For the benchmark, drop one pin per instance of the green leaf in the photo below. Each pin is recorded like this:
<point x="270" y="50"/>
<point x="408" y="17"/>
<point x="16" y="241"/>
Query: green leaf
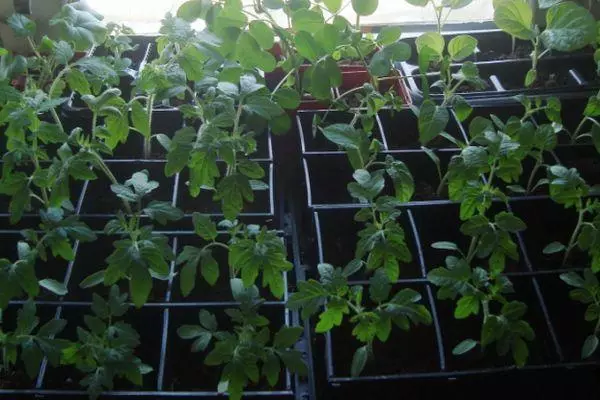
<point x="78" y="27"/>
<point x="204" y="226"/>
<point x="466" y="306"/>
<point x="21" y="25"/>
<point x="388" y="35"/>
<point x="359" y="361"/>
<point x="554" y="247"/>
<point x="384" y="59"/>
<point x="78" y="82"/>
<point x="140" y="285"/>
<point x="307" y="20"/>
<point x="404" y="184"/>
<point x="509" y="222"/>
<point x="333" y="5"/>
<point x="520" y="352"/>
<point x="287" y="337"/>
<point x="344" y="135"/>
<point x="432" y="121"/>
<point x="307" y="46"/>
<point x="589" y="346"/>
<point x="515" y="17"/>
<point x="461" y="47"/>
<point x="464" y="347"/>
<point x="263" y="106"/>
<point x="365" y="7"/>
<point x="573" y="279"/>
<point x="287" y="98"/>
<point x="309" y="297"/>
<point x="163" y="212"/>
<point x="251" y="55"/>
<point x="58" y="288"/>
<point x="139" y="117"/>
<point x="379" y="286"/>
<point x="431" y="40"/>
<point x="209" y="268"/>
<point x="262" y="33"/>
<point x="232" y="191"/>
<point x="194" y="9"/>
<point x="445" y="246"/>
<point x="569" y="27"/>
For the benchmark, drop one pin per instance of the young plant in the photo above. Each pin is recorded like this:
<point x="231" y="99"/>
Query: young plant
<point x="251" y="251"/>
<point x="480" y="289"/>
<point x="118" y="42"/>
<point x="371" y="320"/>
<point x="586" y="290"/>
<point x="568" y="188"/>
<point x="29" y="344"/>
<point x="439" y="7"/>
<point x="248" y="351"/>
<point x="57" y="235"/>
<point x="141" y="254"/>
<point x="105" y="347"/>
<point x="432" y="48"/>
<point x="382" y="241"/>
<point x="588" y="128"/>
<point x="226" y="112"/>
<point x="472" y="174"/>
<point x="569" y="27"/>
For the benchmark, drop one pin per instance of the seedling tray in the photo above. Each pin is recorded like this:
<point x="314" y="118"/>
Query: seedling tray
<point x="419" y="363"/>
<point x="505" y="79"/>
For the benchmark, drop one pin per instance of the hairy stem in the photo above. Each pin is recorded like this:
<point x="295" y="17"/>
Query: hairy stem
<point x="443" y="182"/>
<point x="573" y="240"/>
<point x="102" y="165"/>
<point x="148" y="139"/>
<point x="534" y="171"/>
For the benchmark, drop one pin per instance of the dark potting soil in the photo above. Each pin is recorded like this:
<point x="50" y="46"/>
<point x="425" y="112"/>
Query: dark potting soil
<point x="547" y="222"/>
<point x="204" y="292"/>
<point x="90" y="258"/>
<point x="541" y="350"/>
<point x="148" y="322"/>
<point x="441" y="223"/>
<point x="15" y="379"/>
<point x="186" y="371"/>
<point x="99" y="199"/>
<point x="407" y="352"/>
<point x="339" y="236"/>
<point x="559" y="383"/>
<point x="567" y="317"/>
<point x="584" y="158"/>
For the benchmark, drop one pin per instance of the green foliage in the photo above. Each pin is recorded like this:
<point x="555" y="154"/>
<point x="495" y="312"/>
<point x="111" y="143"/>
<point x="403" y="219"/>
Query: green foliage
<point x="251" y="251"/>
<point x="481" y="291"/>
<point x="249" y="351"/>
<point x="569" y="27"/>
<point x="141" y="254"/>
<point x="343" y="301"/>
<point x="30" y="342"/>
<point x="433" y="51"/>
<point x="105" y="347"/>
<point x="586" y="290"/>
